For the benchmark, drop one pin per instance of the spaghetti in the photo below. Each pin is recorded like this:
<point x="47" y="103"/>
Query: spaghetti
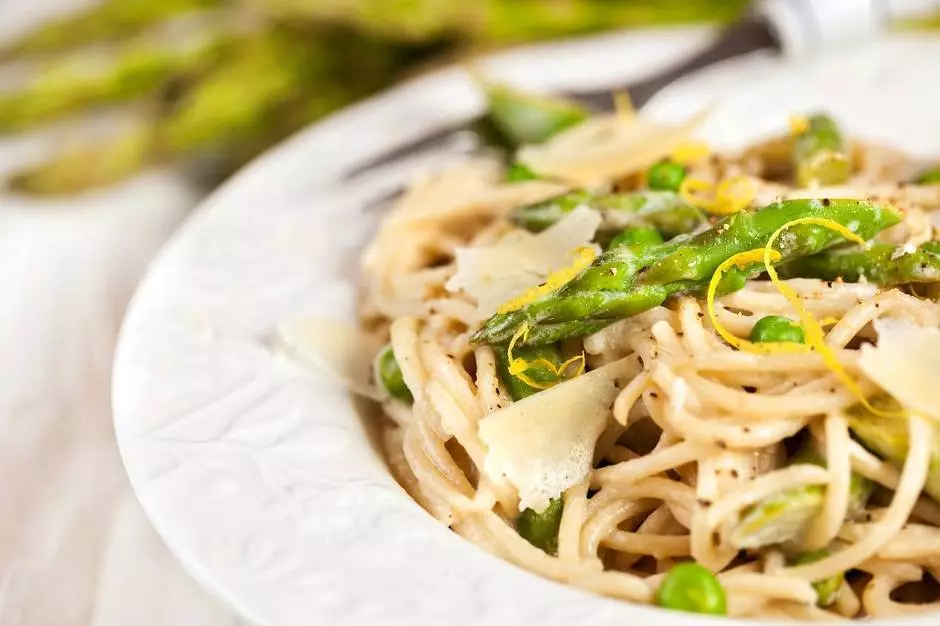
<point x="742" y="461"/>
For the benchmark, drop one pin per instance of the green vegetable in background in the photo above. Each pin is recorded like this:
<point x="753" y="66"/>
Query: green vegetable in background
<point x="75" y="84"/>
<point x="664" y="210"/>
<point x="636" y="236"/>
<point x="388" y="373"/>
<point x="108" y="21"/>
<point x="819" y="153"/>
<point x="518" y="173"/>
<point x="524" y="118"/>
<point x="827" y="590"/>
<point x="784" y="517"/>
<point x="217" y="113"/>
<point x="692" y="588"/>
<point x="929" y="176"/>
<point x="625" y="281"/>
<point x="884" y="264"/>
<point x="541" y="529"/>
<point x="665" y="176"/>
<point x="498" y="21"/>
<point x="775" y="329"/>
<point x="888" y="438"/>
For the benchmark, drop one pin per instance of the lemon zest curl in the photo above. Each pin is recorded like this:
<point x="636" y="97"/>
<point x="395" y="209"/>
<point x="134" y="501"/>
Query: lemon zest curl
<point x="518" y="366"/>
<point x="732" y="195"/>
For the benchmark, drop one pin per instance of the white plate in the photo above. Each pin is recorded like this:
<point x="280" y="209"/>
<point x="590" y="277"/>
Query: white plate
<point x="266" y="484"/>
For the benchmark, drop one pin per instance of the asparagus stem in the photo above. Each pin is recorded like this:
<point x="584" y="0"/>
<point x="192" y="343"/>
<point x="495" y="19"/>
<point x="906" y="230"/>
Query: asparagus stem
<point x="883" y="264"/>
<point x="628" y="280"/>
<point x="109" y="21"/>
<point x="523" y="118"/>
<point x="784" y="517"/>
<point x="664" y="210"/>
<point x="75" y="84"/>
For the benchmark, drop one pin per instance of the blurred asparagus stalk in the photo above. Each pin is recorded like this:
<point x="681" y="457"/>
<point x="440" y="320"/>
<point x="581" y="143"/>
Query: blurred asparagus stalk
<point x="111" y="20"/>
<point x="74" y="85"/>
<point x="497" y="21"/>
<point x="257" y="92"/>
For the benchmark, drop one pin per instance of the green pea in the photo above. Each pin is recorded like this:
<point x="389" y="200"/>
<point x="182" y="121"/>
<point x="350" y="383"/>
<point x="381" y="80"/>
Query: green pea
<point x="636" y="236"/>
<point x="929" y="177"/>
<point x="541" y="529"/>
<point x="388" y="372"/>
<point x="777" y="329"/>
<point x="827" y="590"/>
<point x="518" y="173"/>
<point x="692" y="588"/>
<point x="665" y="176"/>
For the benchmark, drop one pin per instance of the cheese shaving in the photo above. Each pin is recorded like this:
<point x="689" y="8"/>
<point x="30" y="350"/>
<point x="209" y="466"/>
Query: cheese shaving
<point x="338" y="351"/>
<point x="583" y="257"/>
<point x="605" y="148"/>
<point x="905" y="363"/>
<point x="544" y="444"/>
<point x="497" y="274"/>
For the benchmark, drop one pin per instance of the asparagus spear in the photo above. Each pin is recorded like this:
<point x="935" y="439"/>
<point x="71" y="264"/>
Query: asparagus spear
<point x="819" y="153"/>
<point x="628" y="280"/>
<point x="108" y="21"/>
<point x="884" y="264"/>
<point x="524" y="118"/>
<point x="664" y="210"/>
<point x="215" y="111"/>
<point x="827" y="589"/>
<point x="541" y="529"/>
<point x="538" y="372"/>
<point x="387" y="371"/>
<point x="888" y="438"/>
<point x="73" y="85"/>
<point x="498" y="21"/>
<point x="785" y="516"/>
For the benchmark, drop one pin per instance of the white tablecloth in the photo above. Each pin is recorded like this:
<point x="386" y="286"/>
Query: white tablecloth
<point x="75" y="547"/>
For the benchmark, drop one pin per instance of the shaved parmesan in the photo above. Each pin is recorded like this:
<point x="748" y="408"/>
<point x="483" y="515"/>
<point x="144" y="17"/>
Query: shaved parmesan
<point x="337" y="351"/>
<point x="905" y="363"/>
<point x="477" y="188"/>
<point x="544" y="444"/>
<point x="606" y="147"/>
<point x="495" y="274"/>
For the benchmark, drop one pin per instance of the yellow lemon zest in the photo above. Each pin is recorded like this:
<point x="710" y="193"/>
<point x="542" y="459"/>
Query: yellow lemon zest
<point x="623" y="106"/>
<point x="518" y="366"/>
<point x="815" y="336"/>
<point x="697" y="192"/>
<point x="799" y="124"/>
<point x="743" y="259"/>
<point x="690" y="152"/>
<point x="732" y="195"/>
<point x="584" y="256"/>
